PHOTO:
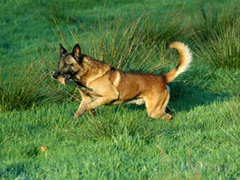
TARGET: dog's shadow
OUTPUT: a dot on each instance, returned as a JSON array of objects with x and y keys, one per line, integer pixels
[{"x": 185, "y": 97}]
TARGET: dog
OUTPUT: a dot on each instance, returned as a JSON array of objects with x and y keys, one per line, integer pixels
[{"x": 99, "y": 83}]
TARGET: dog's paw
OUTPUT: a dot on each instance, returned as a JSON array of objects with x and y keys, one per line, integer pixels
[
  {"x": 76, "y": 115},
  {"x": 167, "y": 117}
]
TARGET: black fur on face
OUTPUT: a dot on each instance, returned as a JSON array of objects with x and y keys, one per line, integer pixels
[{"x": 67, "y": 63}]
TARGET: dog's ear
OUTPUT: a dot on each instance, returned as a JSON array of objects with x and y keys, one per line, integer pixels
[
  {"x": 63, "y": 51},
  {"x": 77, "y": 52}
]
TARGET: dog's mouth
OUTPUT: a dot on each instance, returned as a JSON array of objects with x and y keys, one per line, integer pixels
[
  {"x": 66, "y": 76},
  {"x": 63, "y": 79}
]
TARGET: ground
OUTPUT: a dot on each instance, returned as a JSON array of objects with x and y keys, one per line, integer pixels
[{"x": 120, "y": 142}]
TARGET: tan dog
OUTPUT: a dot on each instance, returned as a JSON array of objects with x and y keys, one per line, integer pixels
[{"x": 99, "y": 83}]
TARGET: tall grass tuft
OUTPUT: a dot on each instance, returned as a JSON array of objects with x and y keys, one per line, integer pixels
[
  {"x": 211, "y": 21},
  {"x": 126, "y": 46},
  {"x": 223, "y": 51},
  {"x": 27, "y": 86}
]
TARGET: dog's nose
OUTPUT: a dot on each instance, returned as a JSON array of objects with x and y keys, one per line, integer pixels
[{"x": 54, "y": 75}]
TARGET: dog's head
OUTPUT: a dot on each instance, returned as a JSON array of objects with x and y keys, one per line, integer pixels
[{"x": 69, "y": 64}]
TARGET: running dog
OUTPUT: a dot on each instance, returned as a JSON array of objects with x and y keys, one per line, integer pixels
[{"x": 99, "y": 83}]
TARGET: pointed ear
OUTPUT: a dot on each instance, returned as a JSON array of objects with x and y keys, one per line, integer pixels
[
  {"x": 76, "y": 52},
  {"x": 63, "y": 51}
]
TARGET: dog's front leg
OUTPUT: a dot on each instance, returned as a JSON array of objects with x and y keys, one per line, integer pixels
[
  {"x": 98, "y": 102},
  {"x": 82, "y": 107},
  {"x": 105, "y": 95}
]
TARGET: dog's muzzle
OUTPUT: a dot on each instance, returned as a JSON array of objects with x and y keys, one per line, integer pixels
[{"x": 55, "y": 75}]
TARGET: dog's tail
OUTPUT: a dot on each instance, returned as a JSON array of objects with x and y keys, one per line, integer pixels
[{"x": 184, "y": 61}]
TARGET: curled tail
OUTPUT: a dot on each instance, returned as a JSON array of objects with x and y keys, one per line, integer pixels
[{"x": 184, "y": 61}]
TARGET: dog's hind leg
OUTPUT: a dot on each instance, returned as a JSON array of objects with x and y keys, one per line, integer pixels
[
  {"x": 156, "y": 108},
  {"x": 163, "y": 111}
]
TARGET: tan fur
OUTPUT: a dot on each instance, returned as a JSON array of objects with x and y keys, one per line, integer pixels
[
  {"x": 184, "y": 61},
  {"x": 105, "y": 85},
  {"x": 62, "y": 80}
]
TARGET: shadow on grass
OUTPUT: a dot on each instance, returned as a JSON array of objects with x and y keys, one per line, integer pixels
[{"x": 186, "y": 97}]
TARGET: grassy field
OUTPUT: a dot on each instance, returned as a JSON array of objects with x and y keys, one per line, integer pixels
[{"x": 121, "y": 142}]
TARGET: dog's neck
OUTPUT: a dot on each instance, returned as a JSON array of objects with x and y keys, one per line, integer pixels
[{"x": 92, "y": 69}]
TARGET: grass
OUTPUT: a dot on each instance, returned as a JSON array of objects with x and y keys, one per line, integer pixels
[
  {"x": 211, "y": 22},
  {"x": 24, "y": 88},
  {"x": 121, "y": 142},
  {"x": 224, "y": 51}
]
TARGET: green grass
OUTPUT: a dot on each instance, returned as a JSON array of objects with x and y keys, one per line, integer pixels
[
  {"x": 121, "y": 142},
  {"x": 223, "y": 50}
]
